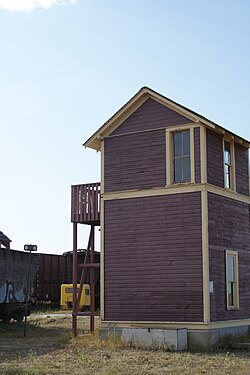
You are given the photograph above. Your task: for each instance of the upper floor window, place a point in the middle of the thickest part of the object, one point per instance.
(227, 165)
(181, 156)
(232, 286)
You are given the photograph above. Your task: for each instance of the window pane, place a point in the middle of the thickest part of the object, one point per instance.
(227, 164)
(227, 155)
(230, 294)
(186, 142)
(230, 268)
(70, 290)
(177, 144)
(178, 170)
(186, 169)
(227, 146)
(227, 177)
(232, 282)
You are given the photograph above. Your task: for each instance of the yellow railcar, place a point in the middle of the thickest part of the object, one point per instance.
(67, 296)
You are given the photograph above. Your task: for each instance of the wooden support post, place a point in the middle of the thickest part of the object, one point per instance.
(83, 270)
(92, 282)
(74, 309)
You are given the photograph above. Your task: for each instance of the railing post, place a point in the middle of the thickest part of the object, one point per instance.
(85, 203)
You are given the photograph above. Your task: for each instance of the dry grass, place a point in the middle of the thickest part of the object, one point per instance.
(50, 349)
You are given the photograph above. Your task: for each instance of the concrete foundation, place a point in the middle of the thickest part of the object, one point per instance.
(177, 339)
(202, 340)
(169, 339)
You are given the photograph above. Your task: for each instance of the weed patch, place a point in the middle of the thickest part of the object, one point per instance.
(50, 349)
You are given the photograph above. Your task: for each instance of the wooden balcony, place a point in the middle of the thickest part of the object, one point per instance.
(85, 203)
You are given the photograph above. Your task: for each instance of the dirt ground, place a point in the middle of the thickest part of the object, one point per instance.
(49, 348)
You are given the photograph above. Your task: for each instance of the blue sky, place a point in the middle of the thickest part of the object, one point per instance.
(65, 68)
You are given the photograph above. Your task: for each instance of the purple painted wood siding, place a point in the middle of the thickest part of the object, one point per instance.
(215, 172)
(197, 160)
(150, 115)
(241, 169)
(138, 161)
(229, 229)
(153, 259)
(135, 161)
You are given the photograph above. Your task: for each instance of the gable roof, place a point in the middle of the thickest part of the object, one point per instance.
(136, 101)
(4, 240)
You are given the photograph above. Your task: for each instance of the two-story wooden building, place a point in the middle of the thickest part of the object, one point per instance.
(175, 229)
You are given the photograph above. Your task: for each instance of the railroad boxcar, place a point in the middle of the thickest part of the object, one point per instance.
(50, 276)
(55, 269)
(13, 283)
(48, 273)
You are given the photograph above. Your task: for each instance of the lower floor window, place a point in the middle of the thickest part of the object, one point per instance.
(232, 283)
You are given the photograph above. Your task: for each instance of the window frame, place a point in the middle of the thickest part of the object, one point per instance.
(231, 165)
(236, 305)
(170, 154)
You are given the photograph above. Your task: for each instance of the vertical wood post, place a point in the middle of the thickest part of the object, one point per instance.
(86, 260)
(92, 281)
(74, 307)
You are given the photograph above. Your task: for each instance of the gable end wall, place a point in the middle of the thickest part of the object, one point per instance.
(149, 116)
(134, 157)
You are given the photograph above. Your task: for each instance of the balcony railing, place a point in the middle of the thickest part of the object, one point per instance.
(85, 203)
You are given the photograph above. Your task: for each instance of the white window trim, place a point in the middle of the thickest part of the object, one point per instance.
(232, 154)
(169, 155)
(235, 255)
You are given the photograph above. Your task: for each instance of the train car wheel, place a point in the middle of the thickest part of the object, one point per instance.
(19, 316)
(7, 319)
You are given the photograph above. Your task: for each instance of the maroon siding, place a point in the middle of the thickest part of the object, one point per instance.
(135, 161)
(241, 169)
(215, 172)
(197, 161)
(153, 259)
(229, 229)
(50, 277)
(150, 115)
